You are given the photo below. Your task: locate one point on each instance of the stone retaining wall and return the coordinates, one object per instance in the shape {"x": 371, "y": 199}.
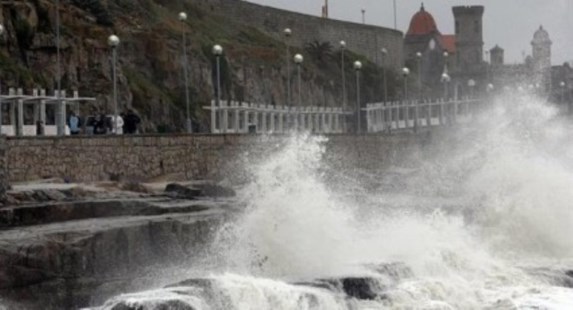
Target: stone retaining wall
{"x": 366, "y": 40}
{"x": 141, "y": 158}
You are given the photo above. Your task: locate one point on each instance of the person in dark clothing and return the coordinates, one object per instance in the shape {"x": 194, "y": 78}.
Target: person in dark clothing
{"x": 100, "y": 126}
{"x": 131, "y": 120}
{"x": 39, "y": 128}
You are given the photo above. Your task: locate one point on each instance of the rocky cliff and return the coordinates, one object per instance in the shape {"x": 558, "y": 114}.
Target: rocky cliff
{"x": 150, "y": 71}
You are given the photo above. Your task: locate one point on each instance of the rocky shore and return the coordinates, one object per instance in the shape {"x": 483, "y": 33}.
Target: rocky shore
{"x": 67, "y": 246}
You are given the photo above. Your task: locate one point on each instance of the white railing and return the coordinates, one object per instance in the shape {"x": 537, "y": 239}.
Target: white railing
{"x": 398, "y": 115}
{"x": 237, "y": 117}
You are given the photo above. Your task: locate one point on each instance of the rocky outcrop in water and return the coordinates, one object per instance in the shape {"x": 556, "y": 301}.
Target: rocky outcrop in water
{"x": 201, "y": 293}
{"x": 72, "y": 252}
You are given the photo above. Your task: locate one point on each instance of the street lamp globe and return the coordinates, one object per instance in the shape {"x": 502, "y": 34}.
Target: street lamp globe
{"x": 287, "y": 32}
{"x": 113, "y": 40}
{"x": 357, "y": 65}
{"x": 445, "y": 77}
{"x": 217, "y": 50}
{"x": 471, "y": 83}
{"x": 182, "y": 16}
{"x": 298, "y": 59}
{"x": 490, "y": 87}
{"x": 384, "y": 51}
{"x": 342, "y": 44}
{"x": 562, "y": 84}
{"x": 405, "y": 72}
{"x": 446, "y": 54}
{"x": 419, "y": 54}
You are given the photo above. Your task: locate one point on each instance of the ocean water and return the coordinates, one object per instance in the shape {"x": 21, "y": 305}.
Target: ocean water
{"x": 480, "y": 219}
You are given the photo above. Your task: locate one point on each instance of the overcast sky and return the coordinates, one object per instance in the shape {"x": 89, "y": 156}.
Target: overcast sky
{"x": 509, "y": 23}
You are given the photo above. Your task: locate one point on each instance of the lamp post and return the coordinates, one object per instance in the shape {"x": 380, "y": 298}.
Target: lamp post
{"x": 562, "y": 84}
{"x": 419, "y": 59}
{"x": 446, "y": 58}
{"x": 405, "y": 74}
{"x": 384, "y": 54}
{"x": 288, "y": 33}
{"x": 342, "y": 67}
{"x": 183, "y": 18}
{"x": 357, "y": 68}
{"x": 113, "y": 42}
{"x": 1, "y": 107}
{"x": 471, "y": 85}
{"x": 298, "y": 59}
{"x": 446, "y": 80}
{"x": 61, "y": 126}
{"x": 490, "y": 88}
{"x": 218, "y": 51}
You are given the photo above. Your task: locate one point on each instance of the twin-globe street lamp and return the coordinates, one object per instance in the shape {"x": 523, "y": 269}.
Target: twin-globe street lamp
{"x": 357, "y": 68}
{"x": 113, "y": 42}
{"x": 189, "y": 126}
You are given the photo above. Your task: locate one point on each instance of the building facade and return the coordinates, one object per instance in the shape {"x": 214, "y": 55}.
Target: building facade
{"x": 429, "y": 53}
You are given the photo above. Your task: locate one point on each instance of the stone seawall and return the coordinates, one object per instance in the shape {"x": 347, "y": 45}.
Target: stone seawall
{"x": 366, "y": 40}
{"x": 141, "y": 158}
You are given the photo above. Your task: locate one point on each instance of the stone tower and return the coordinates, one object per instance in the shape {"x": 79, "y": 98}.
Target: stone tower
{"x": 496, "y": 56}
{"x": 469, "y": 39}
{"x": 541, "y": 53}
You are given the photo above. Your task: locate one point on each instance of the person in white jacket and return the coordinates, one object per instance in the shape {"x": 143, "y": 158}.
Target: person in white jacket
{"x": 117, "y": 125}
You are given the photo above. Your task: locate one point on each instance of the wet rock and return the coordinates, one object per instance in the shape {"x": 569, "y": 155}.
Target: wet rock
{"x": 569, "y": 273}
{"x": 215, "y": 190}
{"x": 179, "y": 191}
{"x": 359, "y": 288}
{"x": 157, "y": 305}
{"x": 135, "y": 187}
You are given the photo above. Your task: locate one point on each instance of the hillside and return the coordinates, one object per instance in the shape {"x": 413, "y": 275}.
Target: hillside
{"x": 150, "y": 71}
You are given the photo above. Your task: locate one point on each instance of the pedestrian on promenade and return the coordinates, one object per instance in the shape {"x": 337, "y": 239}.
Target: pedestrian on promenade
{"x": 117, "y": 123}
{"x": 74, "y": 124}
{"x": 132, "y": 120}
{"x": 100, "y": 126}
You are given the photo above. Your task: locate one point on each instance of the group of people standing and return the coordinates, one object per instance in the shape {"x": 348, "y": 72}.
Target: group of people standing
{"x": 101, "y": 124}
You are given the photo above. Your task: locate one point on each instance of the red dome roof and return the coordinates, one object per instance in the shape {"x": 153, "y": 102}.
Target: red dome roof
{"x": 422, "y": 23}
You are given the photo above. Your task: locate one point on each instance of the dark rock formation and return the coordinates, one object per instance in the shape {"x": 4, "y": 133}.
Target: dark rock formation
{"x": 182, "y": 192}
{"x": 95, "y": 249}
{"x": 196, "y": 190}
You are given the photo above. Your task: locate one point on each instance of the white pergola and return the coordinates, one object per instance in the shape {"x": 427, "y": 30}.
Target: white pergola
{"x": 17, "y": 101}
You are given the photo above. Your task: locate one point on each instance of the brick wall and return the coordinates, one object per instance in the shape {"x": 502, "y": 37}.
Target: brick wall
{"x": 141, "y": 158}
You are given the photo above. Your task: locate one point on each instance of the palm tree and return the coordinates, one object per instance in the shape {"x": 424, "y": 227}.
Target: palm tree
{"x": 319, "y": 51}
